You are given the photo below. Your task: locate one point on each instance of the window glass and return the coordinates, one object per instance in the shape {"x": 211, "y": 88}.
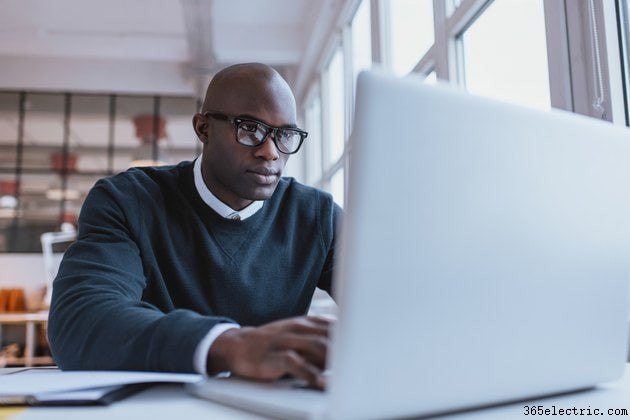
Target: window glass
{"x": 505, "y": 53}
{"x": 335, "y": 94}
{"x": 337, "y": 187}
{"x": 361, "y": 39}
{"x": 411, "y": 32}
{"x": 312, "y": 147}
{"x": 431, "y": 78}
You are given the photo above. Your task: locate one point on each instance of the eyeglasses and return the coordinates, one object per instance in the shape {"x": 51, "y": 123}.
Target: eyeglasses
{"x": 253, "y": 133}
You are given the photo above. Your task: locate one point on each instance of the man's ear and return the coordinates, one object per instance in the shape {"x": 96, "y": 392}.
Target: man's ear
{"x": 200, "y": 125}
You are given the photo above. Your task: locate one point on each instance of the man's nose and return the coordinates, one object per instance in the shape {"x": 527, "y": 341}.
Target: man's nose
{"x": 268, "y": 149}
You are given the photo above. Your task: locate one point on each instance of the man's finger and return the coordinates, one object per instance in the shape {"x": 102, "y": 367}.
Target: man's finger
{"x": 312, "y": 347}
{"x": 305, "y": 325}
{"x": 299, "y": 367}
{"x": 320, "y": 319}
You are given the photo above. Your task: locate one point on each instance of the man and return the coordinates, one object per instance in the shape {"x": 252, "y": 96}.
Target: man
{"x": 171, "y": 261}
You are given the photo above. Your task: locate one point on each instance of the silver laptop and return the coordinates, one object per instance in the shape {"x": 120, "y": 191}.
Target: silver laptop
{"x": 485, "y": 259}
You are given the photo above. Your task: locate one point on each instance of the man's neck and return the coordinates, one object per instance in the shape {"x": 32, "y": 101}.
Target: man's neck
{"x": 217, "y": 204}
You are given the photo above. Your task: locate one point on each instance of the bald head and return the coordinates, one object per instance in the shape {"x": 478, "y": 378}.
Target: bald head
{"x": 241, "y": 87}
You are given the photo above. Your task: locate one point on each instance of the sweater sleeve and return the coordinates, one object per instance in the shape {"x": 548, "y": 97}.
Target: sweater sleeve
{"x": 97, "y": 317}
{"x": 330, "y": 229}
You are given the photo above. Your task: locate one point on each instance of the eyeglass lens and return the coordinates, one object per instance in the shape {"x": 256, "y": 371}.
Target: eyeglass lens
{"x": 251, "y": 133}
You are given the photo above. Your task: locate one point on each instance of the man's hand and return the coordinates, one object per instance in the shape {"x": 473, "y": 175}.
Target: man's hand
{"x": 295, "y": 346}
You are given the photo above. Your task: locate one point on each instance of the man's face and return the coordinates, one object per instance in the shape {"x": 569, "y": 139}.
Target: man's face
{"x": 235, "y": 173}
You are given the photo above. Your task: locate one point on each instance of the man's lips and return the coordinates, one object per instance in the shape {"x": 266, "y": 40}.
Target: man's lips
{"x": 264, "y": 176}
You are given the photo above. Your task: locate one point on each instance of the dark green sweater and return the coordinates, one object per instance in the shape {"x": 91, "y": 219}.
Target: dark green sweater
{"x": 154, "y": 269}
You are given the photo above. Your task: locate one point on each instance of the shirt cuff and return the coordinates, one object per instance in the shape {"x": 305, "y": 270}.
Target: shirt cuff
{"x": 200, "y": 358}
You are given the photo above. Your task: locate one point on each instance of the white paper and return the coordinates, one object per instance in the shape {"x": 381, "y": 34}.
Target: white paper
{"x": 33, "y": 382}
{"x": 91, "y": 394}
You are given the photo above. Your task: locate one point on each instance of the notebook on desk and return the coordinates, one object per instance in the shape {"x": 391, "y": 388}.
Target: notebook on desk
{"x": 485, "y": 258}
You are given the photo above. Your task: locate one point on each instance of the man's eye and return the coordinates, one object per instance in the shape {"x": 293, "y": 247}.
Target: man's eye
{"x": 249, "y": 126}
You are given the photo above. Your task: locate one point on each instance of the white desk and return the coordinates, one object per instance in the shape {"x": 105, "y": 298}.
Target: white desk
{"x": 172, "y": 402}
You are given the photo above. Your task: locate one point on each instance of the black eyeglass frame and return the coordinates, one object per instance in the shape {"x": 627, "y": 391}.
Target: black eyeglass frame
{"x": 237, "y": 121}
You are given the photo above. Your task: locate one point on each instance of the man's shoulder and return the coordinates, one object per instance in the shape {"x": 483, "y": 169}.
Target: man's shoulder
{"x": 129, "y": 188}
{"x": 147, "y": 177}
{"x": 296, "y": 190}
{"x": 305, "y": 208}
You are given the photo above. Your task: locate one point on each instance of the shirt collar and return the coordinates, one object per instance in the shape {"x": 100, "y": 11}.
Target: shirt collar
{"x": 217, "y": 205}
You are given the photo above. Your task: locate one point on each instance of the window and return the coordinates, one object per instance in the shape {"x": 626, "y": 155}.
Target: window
{"x": 337, "y": 186}
{"x": 411, "y": 32}
{"x": 495, "y": 48}
{"x": 312, "y": 147}
{"x": 505, "y": 53}
{"x": 335, "y": 106}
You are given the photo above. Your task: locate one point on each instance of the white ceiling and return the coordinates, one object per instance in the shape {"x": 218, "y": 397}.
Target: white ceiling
{"x": 159, "y": 46}
{"x": 115, "y": 29}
